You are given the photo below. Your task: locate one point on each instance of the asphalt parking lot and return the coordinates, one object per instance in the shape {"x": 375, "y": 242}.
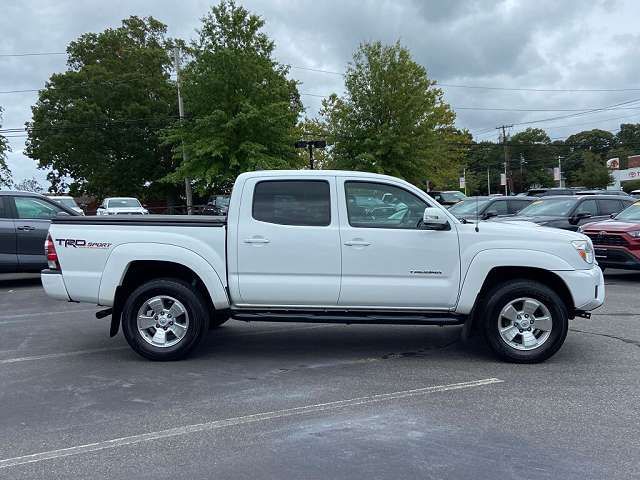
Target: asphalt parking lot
{"x": 314, "y": 401}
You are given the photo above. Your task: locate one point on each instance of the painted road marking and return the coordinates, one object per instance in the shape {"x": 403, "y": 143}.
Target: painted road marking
{"x": 254, "y": 418}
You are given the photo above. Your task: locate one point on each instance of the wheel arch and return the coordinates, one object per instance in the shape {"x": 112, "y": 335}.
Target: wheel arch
{"x": 501, "y": 275}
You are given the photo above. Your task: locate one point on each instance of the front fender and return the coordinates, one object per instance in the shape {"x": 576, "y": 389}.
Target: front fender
{"x": 484, "y": 261}
{"x": 123, "y": 255}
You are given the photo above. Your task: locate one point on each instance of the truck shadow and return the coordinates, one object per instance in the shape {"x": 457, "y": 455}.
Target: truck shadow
{"x": 18, "y": 280}
{"x": 340, "y": 343}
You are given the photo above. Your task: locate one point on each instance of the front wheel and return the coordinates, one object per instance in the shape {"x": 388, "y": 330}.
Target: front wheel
{"x": 526, "y": 321}
{"x": 164, "y": 319}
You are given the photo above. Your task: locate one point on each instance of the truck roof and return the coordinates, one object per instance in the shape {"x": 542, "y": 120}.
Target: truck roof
{"x": 319, "y": 173}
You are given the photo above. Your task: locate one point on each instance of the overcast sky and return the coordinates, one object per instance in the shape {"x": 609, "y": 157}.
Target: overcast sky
{"x": 540, "y": 44}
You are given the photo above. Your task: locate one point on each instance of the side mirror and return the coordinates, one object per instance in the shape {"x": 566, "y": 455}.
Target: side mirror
{"x": 579, "y": 216}
{"x": 489, "y": 214}
{"x": 62, "y": 214}
{"x": 434, "y": 219}
{"x": 613, "y": 215}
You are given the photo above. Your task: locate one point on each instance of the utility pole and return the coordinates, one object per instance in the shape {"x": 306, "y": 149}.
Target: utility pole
{"x": 560, "y": 171}
{"x": 506, "y": 157}
{"x": 522, "y": 164}
{"x": 488, "y": 182}
{"x": 187, "y": 181}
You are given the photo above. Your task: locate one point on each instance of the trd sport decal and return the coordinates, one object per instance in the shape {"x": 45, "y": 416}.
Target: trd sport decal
{"x": 78, "y": 243}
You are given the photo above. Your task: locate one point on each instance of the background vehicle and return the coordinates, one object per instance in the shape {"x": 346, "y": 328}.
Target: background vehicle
{"x": 24, "y": 223}
{"x": 121, "y": 206}
{"x": 447, "y": 198}
{"x": 617, "y": 240}
{"x": 569, "y": 212}
{"x": 546, "y": 192}
{"x": 68, "y": 202}
{"x": 621, "y": 193}
{"x": 297, "y": 246}
{"x": 489, "y": 207}
{"x": 217, "y": 205}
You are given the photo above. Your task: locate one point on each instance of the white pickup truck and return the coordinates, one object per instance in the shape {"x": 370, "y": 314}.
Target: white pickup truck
{"x": 324, "y": 246}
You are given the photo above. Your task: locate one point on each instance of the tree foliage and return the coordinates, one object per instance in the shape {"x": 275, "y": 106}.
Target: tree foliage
{"x": 29, "y": 185}
{"x": 393, "y": 120}
{"x": 242, "y": 109}
{"x": 98, "y": 122}
{"x": 5, "y": 173}
{"x": 594, "y": 172}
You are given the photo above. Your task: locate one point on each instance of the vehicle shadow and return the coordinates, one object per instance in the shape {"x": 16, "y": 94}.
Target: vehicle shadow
{"x": 339, "y": 343}
{"x": 19, "y": 280}
{"x": 612, "y": 276}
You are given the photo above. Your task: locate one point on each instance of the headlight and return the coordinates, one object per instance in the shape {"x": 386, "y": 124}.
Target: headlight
{"x": 635, "y": 234}
{"x": 584, "y": 249}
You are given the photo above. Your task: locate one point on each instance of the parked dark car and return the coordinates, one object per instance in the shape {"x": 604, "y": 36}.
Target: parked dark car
{"x": 447, "y": 198}
{"x": 547, "y": 192}
{"x": 489, "y": 207}
{"x": 621, "y": 193}
{"x": 24, "y": 223}
{"x": 570, "y": 212}
{"x": 217, "y": 205}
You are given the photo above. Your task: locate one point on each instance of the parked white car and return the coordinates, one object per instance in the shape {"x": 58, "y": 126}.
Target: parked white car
{"x": 324, "y": 246}
{"x": 121, "y": 206}
{"x": 67, "y": 201}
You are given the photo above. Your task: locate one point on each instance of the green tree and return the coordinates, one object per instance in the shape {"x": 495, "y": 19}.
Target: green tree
{"x": 533, "y": 147}
{"x": 594, "y": 172}
{"x": 393, "y": 120}
{"x": 29, "y": 185}
{"x": 314, "y": 129}
{"x": 5, "y": 173}
{"x": 596, "y": 141}
{"x": 242, "y": 107}
{"x": 98, "y": 122}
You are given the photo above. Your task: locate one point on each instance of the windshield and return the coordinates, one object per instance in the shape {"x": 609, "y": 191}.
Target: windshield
{"x": 222, "y": 200}
{"x": 632, "y": 213}
{"x": 452, "y": 196}
{"x": 553, "y": 207}
{"x": 67, "y": 202}
{"x": 468, "y": 206}
{"x": 123, "y": 203}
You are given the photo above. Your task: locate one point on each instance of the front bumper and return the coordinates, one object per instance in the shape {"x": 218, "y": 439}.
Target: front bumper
{"x": 616, "y": 257}
{"x": 53, "y": 284}
{"x": 586, "y": 287}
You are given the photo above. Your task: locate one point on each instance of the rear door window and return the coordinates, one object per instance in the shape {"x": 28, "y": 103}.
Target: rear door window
{"x": 607, "y": 207}
{"x": 516, "y": 205}
{"x": 292, "y": 202}
{"x": 35, "y": 208}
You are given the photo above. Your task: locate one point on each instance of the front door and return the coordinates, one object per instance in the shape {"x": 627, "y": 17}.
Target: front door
{"x": 33, "y": 217}
{"x": 388, "y": 261}
{"x": 288, "y": 243}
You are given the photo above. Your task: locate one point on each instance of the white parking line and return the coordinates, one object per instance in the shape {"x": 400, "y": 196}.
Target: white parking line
{"x": 59, "y": 355}
{"x": 217, "y": 424}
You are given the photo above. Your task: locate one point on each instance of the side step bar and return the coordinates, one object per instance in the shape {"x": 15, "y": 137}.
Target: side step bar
{"x": 348, "y": 317}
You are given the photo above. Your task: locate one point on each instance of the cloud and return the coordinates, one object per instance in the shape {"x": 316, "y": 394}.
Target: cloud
{"x": 503, "y": 43}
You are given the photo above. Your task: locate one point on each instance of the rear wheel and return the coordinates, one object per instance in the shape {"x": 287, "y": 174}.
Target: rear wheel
{"x": 164, "y": 319}
{"x": 526, "y": 321}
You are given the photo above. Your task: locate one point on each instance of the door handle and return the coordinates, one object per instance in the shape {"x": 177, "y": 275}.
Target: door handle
{"x": 256, "y": 240}
{"x": 357, "y": 243}
{"x": 26, "y": 227}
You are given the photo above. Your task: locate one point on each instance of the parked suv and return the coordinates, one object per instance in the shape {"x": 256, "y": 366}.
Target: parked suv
{"x": 484, "y": 208}
{"x": 447, "y": 198}
{"x": 570, "y": 212}
{"x": 121, "y": 206}
{"x": 24, "y": 223}
{"x": 617, "y": 240}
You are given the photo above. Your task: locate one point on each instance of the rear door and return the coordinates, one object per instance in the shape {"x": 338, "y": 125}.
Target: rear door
{"x": 33, "y": 217}
{"x": 8, "y": 256}
{"x": 516, "y": 205}
{"x": 288, "y": 242}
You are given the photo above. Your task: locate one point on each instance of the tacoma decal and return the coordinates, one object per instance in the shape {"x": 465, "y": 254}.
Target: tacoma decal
{"x": 79, "y": 243}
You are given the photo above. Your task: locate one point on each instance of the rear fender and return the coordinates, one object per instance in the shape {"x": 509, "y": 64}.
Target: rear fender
{"x": 123, "y": 255}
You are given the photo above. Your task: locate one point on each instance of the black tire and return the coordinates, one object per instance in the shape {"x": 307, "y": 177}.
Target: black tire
{"x": 194, "y": 305}
{"x": 500, "y": 296}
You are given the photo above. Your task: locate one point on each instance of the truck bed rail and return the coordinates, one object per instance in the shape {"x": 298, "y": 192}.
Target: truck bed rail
{"x": 145, "y": 220}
